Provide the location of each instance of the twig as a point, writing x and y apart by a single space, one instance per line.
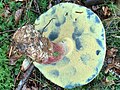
7 38
93 2
46 26
37 6
7 31
17 77
11 48
34 11
23 81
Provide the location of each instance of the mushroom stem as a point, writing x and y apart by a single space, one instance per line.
59 50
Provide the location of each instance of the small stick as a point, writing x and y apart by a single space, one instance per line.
93 2
37 6
17 77
7 31
78 12
46 25
11 48
23 81
34 11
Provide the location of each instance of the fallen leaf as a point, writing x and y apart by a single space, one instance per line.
25 65
112 52
107 82
18 15
112 62
106 11
6 11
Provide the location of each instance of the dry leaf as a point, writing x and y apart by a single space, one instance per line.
112 62
18 15
6 12
105 81
112 52
25 65
106 11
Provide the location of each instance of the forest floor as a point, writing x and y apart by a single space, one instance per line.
16 13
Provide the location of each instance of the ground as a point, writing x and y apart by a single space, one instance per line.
16 13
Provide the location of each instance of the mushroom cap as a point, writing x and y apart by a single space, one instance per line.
84 33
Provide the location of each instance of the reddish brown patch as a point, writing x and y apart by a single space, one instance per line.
56 48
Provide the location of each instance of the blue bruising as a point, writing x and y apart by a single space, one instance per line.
78 44
97 20
77 84
102 35
58 24
98 52
92 30
53 35
54 73
102 29
76 33
97 71
53 10
66 60
69 86
100 43
91 78
60 21
85 58
89 13
63 20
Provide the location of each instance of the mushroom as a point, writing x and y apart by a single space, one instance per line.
81 35
72 51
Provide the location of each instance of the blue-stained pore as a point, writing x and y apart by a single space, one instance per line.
77 84
60 21
63 20
54 73
98 52
58 24
89 13
53 10
85 58
92 30
53 35
100 43
97 71
102 29
102 35
78 44
77 33
69 86
91 78
65 60
97 19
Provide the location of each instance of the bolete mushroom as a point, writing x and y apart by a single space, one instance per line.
73 50
81 35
